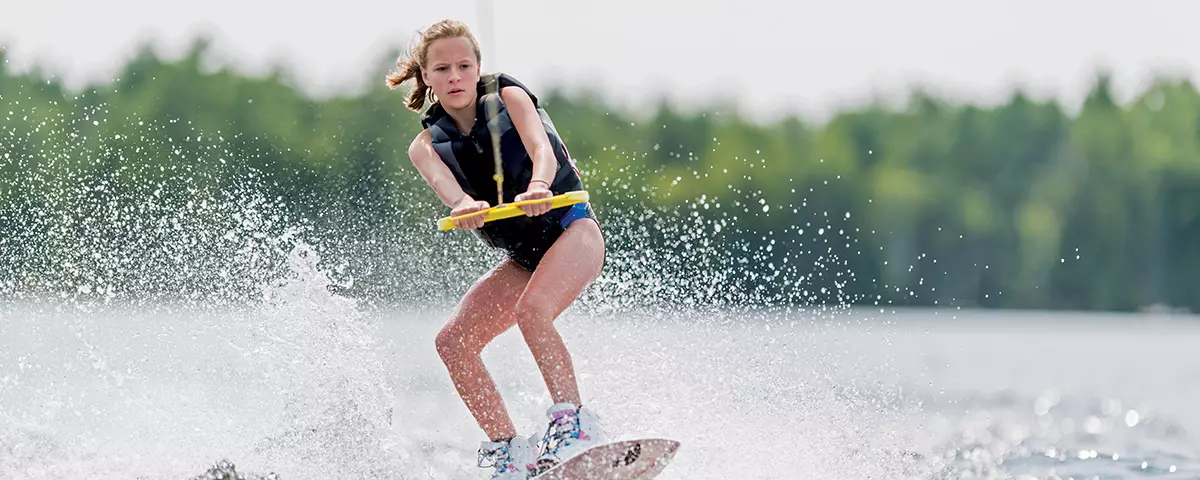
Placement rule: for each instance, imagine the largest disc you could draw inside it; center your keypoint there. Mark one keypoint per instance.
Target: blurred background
(1044, 155)
(953, 182)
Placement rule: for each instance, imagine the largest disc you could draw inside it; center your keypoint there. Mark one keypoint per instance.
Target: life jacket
(470, 157)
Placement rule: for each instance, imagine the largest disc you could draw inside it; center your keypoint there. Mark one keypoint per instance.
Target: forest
(176, 179)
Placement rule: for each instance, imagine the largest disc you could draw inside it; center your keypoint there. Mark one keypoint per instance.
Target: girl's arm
(528, 123)
(439, 177)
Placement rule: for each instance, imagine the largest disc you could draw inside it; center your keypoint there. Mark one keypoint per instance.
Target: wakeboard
(638, 459)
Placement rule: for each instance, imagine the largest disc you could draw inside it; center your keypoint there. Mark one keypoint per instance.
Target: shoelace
(495, 457)
(562, 429)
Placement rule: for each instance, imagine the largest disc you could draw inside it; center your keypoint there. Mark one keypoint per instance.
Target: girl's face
(452, 71)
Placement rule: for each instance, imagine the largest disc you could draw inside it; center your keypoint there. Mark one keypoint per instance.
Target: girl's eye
(440, 69)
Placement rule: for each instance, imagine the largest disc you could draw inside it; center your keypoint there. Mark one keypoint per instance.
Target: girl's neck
(464, 118)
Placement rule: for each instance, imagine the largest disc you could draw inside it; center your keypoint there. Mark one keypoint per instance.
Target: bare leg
(484, 313)
(572, 262)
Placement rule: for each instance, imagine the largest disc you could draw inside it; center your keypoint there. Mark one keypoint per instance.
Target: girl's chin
(457, 101)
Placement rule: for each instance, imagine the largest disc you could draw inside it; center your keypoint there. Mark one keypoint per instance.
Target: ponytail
(410, 67)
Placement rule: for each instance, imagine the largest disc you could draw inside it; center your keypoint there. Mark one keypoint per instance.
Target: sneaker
(571, 431)
(511, 458)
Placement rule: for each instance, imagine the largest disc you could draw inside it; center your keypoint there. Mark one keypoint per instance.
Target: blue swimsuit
(577, 211)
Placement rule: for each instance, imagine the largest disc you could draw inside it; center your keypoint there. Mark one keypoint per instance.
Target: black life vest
(470, 157)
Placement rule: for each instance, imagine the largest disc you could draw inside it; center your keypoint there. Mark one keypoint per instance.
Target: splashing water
(159, 317)
(292, 385)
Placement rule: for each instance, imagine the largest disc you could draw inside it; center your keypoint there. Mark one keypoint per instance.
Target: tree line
(197, 175)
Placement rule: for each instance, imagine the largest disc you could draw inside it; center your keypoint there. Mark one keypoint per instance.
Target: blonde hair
(410, 67)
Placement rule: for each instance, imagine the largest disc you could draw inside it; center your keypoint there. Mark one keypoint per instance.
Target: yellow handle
(512, 209)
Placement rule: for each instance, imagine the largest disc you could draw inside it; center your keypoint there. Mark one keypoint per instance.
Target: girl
(552, 254)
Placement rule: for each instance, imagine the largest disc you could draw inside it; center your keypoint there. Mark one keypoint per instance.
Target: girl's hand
(537, 190)
(465, 206)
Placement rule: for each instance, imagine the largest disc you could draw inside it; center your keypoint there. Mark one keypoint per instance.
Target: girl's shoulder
(495, 82)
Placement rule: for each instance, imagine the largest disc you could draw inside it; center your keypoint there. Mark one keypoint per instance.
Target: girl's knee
(445, 344)
(451, 345)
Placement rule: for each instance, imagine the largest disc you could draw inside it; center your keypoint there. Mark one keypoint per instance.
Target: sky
(768, 56)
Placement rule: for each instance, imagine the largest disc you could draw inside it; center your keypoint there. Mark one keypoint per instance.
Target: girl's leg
(574, 260)
(484, 313)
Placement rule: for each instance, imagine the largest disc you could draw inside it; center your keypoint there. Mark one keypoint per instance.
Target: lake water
(309, 385)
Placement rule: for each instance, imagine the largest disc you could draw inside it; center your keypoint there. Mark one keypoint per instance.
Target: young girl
(552, 253)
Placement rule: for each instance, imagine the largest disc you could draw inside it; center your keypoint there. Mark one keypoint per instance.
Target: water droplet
(1132, 418)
